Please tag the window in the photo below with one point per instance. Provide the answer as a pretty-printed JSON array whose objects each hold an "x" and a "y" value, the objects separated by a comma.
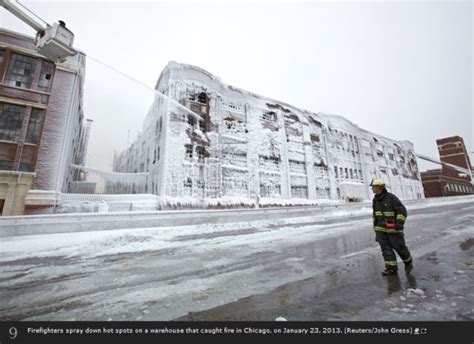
[
  {"x": 202, "y": 125},
  {"x": 189, "y": 152},
  {"x": 6, "y": 165},
  {"x": 202, "y": 98},
  {"x": 20, "y": 71},
  {"x": 191, "y": 120},
  {"x": 10, "y": 121},
  {"x": 34, "y": 126},
  {"x": 188, "y": 183},
  {"x": 335, "y": 172},
  {"x": 26, "y": 167},
  {"x": 46, "y": 75},
  {"x": 299, "y": 191},
  {"x": 200, "y": 152},
  {"x": 2, "y": 51},
  {"x": 269, "y": 116},
  {"x": 314, "y": 138}
]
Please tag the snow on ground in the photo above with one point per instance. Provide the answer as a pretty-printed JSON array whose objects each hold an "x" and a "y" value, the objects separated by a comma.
[
  {"x": 91, "y": 244},
  {"x": 96, "y": 243}
]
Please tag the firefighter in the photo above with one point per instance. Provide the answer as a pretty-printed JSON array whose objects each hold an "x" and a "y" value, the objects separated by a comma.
[{"x": 389, "y": 219}]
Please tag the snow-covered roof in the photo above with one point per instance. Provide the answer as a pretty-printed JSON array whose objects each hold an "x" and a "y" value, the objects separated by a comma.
[{"x": 334, "y": 120}]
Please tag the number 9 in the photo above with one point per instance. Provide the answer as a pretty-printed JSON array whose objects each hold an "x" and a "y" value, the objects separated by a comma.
[{"x": 13, "y": 332}]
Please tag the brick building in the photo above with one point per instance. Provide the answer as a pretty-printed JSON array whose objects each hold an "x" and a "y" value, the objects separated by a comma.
[
  {"x": 447, "y": 181},
  {"x": 41, "y": 125}
]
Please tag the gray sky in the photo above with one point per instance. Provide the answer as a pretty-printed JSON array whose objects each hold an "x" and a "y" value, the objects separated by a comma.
[{"x": 403, "y": 70}]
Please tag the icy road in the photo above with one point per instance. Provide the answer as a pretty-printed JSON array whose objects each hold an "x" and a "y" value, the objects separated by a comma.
[{"x": 307, "y": 268}]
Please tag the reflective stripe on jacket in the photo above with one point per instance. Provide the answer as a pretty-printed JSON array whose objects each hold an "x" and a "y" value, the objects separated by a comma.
[{"x": 387, "y": 207}]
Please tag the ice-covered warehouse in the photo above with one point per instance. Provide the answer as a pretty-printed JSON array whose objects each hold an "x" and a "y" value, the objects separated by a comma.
[{"x": 223, "y": 141}]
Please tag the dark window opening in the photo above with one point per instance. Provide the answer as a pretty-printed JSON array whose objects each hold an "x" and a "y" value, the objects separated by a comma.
[
  {"x": 202, "y": 125},
  {"x": 191, "y": 120},
  {"x": 201, "y": 153},
  {"x": 202, "y": 98},
  {"x": 45, "y": 76},
  {"x": 269, "y": 116},
  {"x": 314, "y": 138},
  {"x": 189, "y": 152}
]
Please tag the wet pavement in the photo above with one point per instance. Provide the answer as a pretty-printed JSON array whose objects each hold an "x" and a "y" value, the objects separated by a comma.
[{"x": 306, "y": 269}]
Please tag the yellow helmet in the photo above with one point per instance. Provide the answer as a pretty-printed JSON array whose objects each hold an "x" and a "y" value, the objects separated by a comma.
[{"x": 377, "y": 182}]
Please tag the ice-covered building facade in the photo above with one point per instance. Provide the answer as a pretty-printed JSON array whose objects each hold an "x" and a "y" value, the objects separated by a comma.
[{"x": 234, "y": 143}]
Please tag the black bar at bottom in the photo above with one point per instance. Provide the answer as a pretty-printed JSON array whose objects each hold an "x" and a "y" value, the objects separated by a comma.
[{"x": 151, "y": 332}]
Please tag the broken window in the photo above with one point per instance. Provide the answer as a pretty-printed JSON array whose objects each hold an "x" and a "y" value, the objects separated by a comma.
[
  {"x": 202, "y": 98},
  {"x": 201, "y": 153},
  {"x": 269, "y": 116},
  {"x": 10, "y": 121},
  {"x": 46, "y": 76},
  {"x": 34, "y": 126},
  {"x": 21, "y": 70},
  {"x": 189, "y": 152},
  {"x": 202, "y": 125},
  {"x": 314, "y": 138}
]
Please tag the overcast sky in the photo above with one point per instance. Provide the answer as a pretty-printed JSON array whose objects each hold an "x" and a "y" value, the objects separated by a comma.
[{"x": 403, "y": 70}]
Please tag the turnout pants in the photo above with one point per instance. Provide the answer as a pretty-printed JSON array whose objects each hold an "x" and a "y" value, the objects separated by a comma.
[{"x": 391, "y": 243}]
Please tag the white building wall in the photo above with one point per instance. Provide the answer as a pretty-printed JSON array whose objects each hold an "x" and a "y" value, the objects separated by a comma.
[{"x": 326, "y": 155}]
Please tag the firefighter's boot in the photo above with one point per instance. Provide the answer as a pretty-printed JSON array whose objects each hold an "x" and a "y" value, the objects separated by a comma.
[{"x": 390, "y": 270}]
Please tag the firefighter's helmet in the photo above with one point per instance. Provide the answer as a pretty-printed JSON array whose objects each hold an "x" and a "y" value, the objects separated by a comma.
[{"x": 377, "y": 182}]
